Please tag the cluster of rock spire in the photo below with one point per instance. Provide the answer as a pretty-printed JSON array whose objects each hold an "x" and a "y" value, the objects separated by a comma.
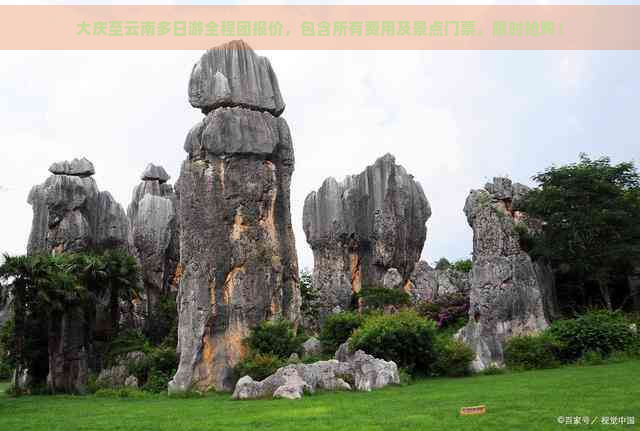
[{"x": 223, "y": 238}]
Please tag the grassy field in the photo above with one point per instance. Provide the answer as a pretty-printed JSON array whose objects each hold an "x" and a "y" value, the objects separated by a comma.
[{"x": 517, "y": 401}]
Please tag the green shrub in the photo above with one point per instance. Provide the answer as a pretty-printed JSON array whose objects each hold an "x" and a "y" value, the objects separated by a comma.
[
  {"x": 161, "y": 325},
  {"x": 405, "y": 338},
  {"x": 128, "y": 340},
  {"x": 462, "y": 265},
  {"x": 492, "y": 370},
  {"x": 6, "y": 371},
  {"x": 275, "y": 337},
  {"x": 376, "y": 298},
  {"x": 159, "y": 361},
  {"x": 532, "y": 351},
  {"x": 120, "y": 393},
  {"x": 591, "y": 357},
  {"x": 157, "y": 381},
  {"x": 601, "y": 331},
  {"x": 453, "y": 358},
  {"x": 338, "y": 328},
  {"x": 448, "y": 311},
  {"x": 405, "y": 377},
  {"x": 259, "y": 366}
]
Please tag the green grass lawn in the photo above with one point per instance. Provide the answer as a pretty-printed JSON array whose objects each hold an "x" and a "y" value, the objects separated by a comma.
[{"x": 528, "y": 400}]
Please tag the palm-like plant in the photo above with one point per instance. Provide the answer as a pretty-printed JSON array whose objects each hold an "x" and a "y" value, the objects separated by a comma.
[{"x": 122, "y": 276}]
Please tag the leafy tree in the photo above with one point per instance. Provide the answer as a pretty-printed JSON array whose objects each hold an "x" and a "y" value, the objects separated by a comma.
[
  {"x": 590, "y": 211},
  {"x": 46, "y": 288},
  {"x": 443, "y": 263},
  {"x": 310, "y": 300}
]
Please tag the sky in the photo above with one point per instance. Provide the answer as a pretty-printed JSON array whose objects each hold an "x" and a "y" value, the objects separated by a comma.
[{"x": 453, "y": 119}]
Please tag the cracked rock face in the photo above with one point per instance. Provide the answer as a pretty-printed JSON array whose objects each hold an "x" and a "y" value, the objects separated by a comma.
[
  {"x": 237, "y": 249},
  {"x": 362, "y": 227},
  {"x": 427, "y": 283},
  {"x": 363, "y": 371},
  {"x": 506, "y": 295},
  {"x": 153, "y": 236}
]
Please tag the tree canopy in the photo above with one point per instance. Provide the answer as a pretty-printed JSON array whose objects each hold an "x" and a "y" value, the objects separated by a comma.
[{"x": 590, "y": 213}]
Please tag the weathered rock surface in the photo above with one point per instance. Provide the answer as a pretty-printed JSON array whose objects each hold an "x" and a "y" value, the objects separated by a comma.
[
  {"x": 312, "y": 347},
  {"x": 153, "y": 239},
  {"x": 363, "y": 371},
  {"x": 392, "y": 279},
  {"x": 237, "y": 249},
  {"x": 427, "y": 283},
  {"x": 118, "y": 375},
  {"x": 70, "y": 214},
  {"x": 76, "y": 167},
  {"x": 234, "y": 75},
  {"x": 360, "y": 228},
  {"x": 505, "y": 297},
  {"x": 153, "y": 172}
]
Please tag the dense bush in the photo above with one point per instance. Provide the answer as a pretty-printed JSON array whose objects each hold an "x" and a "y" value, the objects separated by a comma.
[
  {"x": 462, "y": 265},
  {"x": 275, "y": 337},
  {"x": 599, "y": 331},
  {"x": 128, "y": 340},
  {"x": 376, "y": 298},
  {"x": 159, "y": 364},
  {"x": 453, "y": 357},
  {"x": 405, "y": 338},
  {"x": 532, "y": 351},
  {"x": 338, "y": 328},
  {"x": 258, "y": 366},
  {"x": 161, "y": 325},
  {"x": 451, "y": 310}
]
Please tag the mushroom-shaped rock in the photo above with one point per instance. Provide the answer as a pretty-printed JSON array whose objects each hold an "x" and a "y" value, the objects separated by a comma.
[
  {"x": 76, "y": 167},
  {"x": 234, "y": 75},
  {"x": 153, "y": 172}
]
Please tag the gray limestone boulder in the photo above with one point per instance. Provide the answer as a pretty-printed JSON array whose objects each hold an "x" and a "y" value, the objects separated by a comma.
[
  {"x": 506, "y": 295},
  {"x": 427, "y": 283},
  {"x": 363, "y": 371},
  {"x": 234, "y": 75},
  {"x": 312, "y": 347},
  {"x": 131, "y": 382},
  {"x": 392, "y": 279},
  {"x": 237, "y": 249},
  {"x": 363, "y": 226}
]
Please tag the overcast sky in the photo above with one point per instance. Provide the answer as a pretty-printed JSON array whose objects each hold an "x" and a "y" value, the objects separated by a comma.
[{"x": 452, "y": 119}]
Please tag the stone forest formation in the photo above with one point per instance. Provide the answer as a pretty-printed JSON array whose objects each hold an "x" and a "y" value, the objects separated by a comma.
[{"x": 221, "y": 239}]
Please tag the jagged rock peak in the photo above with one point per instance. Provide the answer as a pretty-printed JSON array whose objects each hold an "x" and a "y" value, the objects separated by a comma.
[
  {"x": 153, "y": 172},
  {"x": 76, "y": 167},
  {"x": 362, "y": 227},
  {"x": 232, "y": 74}
]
